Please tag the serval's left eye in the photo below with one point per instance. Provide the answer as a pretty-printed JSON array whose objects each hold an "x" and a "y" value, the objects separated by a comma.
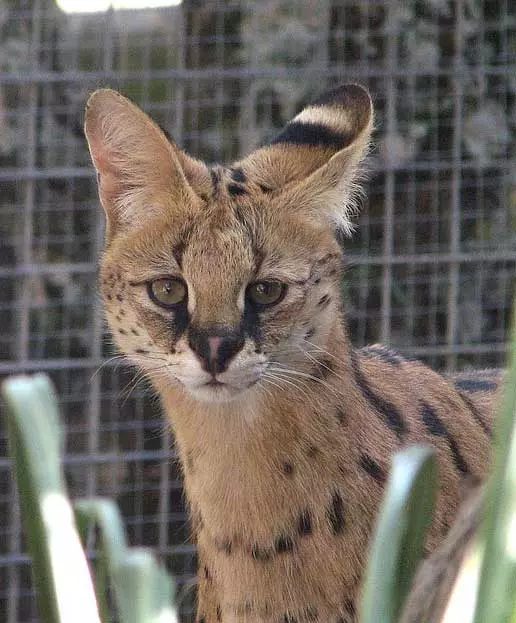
[
  {"x": 168, "y": 292},
  {"x": 266, "y": 293}
]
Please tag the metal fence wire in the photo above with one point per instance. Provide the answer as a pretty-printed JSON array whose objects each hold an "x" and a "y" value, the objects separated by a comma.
[{"x": 431, "y": 266}]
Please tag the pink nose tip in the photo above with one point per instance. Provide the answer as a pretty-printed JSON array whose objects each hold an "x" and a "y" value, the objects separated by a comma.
[{"x": 213, "y": 346}]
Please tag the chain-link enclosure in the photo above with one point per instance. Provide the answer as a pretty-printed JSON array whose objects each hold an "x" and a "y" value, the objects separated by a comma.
[{"x": 431, "y": 266}]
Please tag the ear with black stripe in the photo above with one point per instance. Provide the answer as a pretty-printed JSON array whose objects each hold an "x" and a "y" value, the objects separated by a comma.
[
  {"x": 140, "y": 172},
  {"x": 314, "y": 160}
]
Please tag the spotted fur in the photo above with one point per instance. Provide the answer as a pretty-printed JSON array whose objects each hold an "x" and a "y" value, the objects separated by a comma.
[{"x": 284, "y": 430}]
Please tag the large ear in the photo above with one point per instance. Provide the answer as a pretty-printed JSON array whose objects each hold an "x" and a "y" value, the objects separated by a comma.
[
  {"x": 140, "y": 171},
  {"x": 315, "y": 159}
]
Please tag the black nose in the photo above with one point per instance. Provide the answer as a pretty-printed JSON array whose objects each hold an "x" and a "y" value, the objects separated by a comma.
[{"x": 215, "y": 347}]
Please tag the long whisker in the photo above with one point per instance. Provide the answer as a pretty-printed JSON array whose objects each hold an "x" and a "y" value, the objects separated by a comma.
[
  {"x": 117, "y": 358},
  {"x": 310, "y": 377},
  {"x": 283, "y": 375}
]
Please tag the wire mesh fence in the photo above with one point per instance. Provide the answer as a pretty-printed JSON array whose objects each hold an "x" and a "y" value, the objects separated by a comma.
[{"x": 432, "y": 263}]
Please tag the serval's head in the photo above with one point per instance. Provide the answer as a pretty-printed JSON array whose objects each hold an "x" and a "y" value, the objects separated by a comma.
[{"x": 221, "y": 279}]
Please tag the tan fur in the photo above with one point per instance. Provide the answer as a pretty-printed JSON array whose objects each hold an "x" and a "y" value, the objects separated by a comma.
[{"x": 284, "y": 465}]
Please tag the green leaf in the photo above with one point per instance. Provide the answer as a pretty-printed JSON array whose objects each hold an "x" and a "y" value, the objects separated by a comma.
[
  {"x": 403, "y": 521},
  {"x": 61, "y": 575},
  {"x": 496, "y": 599},
  {"x": 143, "y": 591}
]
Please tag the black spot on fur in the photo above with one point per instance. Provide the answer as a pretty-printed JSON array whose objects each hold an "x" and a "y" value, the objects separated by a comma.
[
  {"x": 236, "y": 190},
  {"x": 288, "y": 468},
  {"x": 349, "y": 607},
  {"x": 313, "y": 452},
  {"x": 261, "y": 554},
  {"x": 238, "y": 175},
  {"x": 324, "y": 301},
  {"x": 218, "y": 613},
  {"x": 134, "y": 331},
  {"x": 283, "y": 544},
  {"x": 342, "y": 417},
  {"x": 109, "y": 297},
  {"x": 323, "y": 369},
  {"x": 141, "y": 351},
  {"x": 335, "y": 513},
  {"x": 119, "y": 298},
  {"x": 225, "y": 546},
  {"x": 304, "y": 523},
  {"x": 207, "y": 574},
  {"x": 434, "y": 424},
  {"x": 387, "y": 411},
  {"x": 476, "y": 385},
  {"x": 122, "y": 331},
  {"x": 310, "y": 333},
  {"x": 289, "y": 618},
  {"x": 368, "y": 464},
  {"x": 265, "y": 189},
  {"x": 122, "y": 312},
  {"x": 312, "y": 134}
]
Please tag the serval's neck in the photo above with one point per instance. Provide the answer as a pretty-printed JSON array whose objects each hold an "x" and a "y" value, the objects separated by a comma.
[{"x": 249, "y": 441}]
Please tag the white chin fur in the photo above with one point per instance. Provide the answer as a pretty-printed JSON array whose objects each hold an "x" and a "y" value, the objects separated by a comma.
[{"x": 221, "y": 393}]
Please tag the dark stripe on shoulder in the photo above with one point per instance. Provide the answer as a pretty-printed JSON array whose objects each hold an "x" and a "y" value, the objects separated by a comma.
[
  {"x": 215, "y": 181},
  {"x": 236, "y": 190},
  {"x": 313, "y": 135},
  {"x": 476, "y": 414},
  {"x": 475, "y": 385},
  {"x": 335, "y": 513},
  {"x": 369, "y": 465},
  {"x": 434, "y": 424},
  {"x": 389, "y": 413},
  {"x": 385, "y": 354}
]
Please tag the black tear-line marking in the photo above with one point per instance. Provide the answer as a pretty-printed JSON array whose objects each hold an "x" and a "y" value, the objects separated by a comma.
[
  {"x": 476, "y": 414},
  {"x": 434, "y": 424},
  {"x": 388, "y": 412}
]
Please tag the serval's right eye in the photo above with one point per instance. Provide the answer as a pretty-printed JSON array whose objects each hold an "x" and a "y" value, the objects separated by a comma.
[{"x": 168, "y": 292}]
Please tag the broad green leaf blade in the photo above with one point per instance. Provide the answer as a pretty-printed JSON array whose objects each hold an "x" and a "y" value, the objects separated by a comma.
[
  {"x": 143, "y": 591},
  {"x": 61, "y": 574},
  {"x": 145, "y": 596},
  {"x": 496, "y": 598},
  {"x": 403, "y": 521}
]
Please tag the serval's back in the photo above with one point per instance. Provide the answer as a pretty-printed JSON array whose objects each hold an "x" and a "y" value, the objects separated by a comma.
[{"x": 223, "y": 285}]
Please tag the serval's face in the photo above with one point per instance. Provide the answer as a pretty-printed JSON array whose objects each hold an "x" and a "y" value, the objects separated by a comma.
[{"x": 224, "y": 280}]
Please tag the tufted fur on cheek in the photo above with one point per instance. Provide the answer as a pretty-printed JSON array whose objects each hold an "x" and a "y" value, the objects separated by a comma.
[
  {"x": 140, "y": 172},
  {"x": 313, "y": 164}
]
